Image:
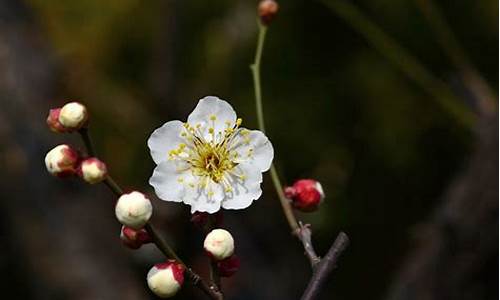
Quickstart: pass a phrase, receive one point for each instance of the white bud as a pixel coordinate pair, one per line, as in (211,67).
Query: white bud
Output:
(92,170)
(165,279)
(219,244)
(73,115)
(61,161)
(133,210)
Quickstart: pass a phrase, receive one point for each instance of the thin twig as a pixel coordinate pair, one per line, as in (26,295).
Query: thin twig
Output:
(255,67)
(325,267)
(212,265)
(210,290)
(84,133)
(302,232)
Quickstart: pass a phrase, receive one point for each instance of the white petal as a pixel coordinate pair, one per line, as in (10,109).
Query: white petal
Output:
(208,108)
(206,199)
(164,139)
(254,148)
(168,180)
(244,191)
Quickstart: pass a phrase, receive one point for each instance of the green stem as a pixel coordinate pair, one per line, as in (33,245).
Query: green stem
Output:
(255,67)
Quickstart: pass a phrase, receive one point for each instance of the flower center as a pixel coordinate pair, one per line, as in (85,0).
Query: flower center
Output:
(212,161)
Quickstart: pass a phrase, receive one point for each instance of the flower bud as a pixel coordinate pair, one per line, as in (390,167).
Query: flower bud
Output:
(166,279)
(219,244)
(62,161)
(267,11)
(134,239)
(305,194)
(92,170)
(53,121)
(73,116)
(229,266)
(133,210)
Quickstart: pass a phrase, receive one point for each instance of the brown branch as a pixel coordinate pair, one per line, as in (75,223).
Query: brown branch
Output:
(325,267)
(304,234)
(210,290)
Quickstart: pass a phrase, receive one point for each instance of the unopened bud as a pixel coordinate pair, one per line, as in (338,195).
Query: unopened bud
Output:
(92,170)
(219,244)
(305,194)
(134,239)
(62,161)
(267,11)
(229,266)
(166,279)
(53,121)
(133,210)
(73,116)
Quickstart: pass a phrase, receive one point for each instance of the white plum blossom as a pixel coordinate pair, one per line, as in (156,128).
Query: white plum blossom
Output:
(209,161)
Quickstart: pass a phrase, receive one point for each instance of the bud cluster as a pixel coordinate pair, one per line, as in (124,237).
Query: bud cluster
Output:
(63,160)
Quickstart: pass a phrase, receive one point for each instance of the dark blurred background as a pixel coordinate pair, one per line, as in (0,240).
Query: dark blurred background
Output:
(414,186)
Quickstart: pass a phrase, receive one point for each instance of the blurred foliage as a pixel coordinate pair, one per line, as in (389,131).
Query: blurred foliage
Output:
(336,110)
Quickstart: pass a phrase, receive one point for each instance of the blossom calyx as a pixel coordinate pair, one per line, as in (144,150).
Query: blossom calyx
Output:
(267,10)
(229,266)
(219,244)
(133,210)
(204,220)
(62,161)
(53,121)
(165,279)
(134,239)
(73,116)
(305,194)
(92,170)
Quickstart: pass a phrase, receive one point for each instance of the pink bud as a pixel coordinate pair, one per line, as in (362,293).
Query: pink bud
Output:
(267,10)
(305,194)
(165,279)
(62,161)
(229,266)
(92,170)
(134,239)
(53,121)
